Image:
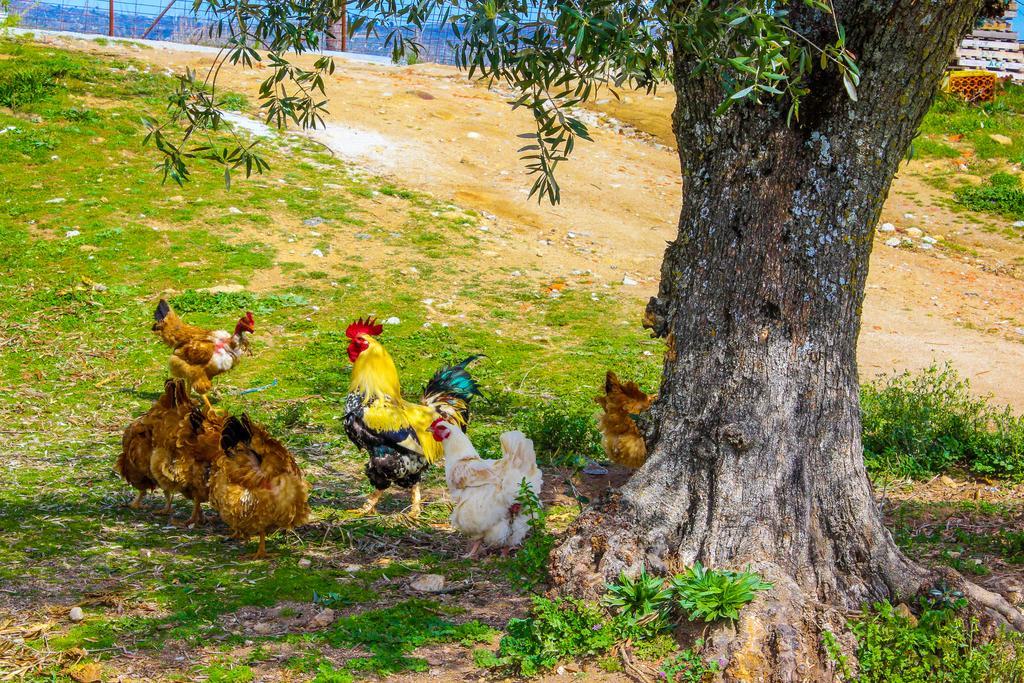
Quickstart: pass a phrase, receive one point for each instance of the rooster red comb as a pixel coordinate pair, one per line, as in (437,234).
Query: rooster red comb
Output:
(368,326)
(247,322)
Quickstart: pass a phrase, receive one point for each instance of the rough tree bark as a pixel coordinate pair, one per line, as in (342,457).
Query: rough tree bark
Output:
(755,450)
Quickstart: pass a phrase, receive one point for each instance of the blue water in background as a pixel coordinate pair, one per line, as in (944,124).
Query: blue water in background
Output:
(132,18)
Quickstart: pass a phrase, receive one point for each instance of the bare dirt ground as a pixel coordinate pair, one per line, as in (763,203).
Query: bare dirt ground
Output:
(431,129)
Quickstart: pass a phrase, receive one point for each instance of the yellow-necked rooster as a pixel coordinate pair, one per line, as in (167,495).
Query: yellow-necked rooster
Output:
(395,432)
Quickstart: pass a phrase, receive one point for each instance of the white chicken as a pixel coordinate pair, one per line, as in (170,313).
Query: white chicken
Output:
(484,492)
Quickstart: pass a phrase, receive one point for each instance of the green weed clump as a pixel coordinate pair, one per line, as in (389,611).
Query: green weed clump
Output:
(938,646)
(562,436)
(688,667)
(922,425)
(709,595)
(639,597)
(558,630)
(1001,194)
(642,613)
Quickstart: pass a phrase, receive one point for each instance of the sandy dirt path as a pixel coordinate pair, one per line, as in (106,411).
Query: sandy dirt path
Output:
(430,129)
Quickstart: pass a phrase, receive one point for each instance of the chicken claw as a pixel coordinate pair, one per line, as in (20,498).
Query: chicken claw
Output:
(167,509)
(417,502)
(370,506)
(261,552)
(136,504)
(197,518)
(474,550)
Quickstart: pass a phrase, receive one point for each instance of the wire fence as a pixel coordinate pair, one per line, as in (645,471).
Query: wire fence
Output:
(175,21)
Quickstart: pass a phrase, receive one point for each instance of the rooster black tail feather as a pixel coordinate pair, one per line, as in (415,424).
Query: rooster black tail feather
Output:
(162,309)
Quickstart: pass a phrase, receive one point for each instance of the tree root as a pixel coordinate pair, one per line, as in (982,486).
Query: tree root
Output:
(778,637)
(992,609)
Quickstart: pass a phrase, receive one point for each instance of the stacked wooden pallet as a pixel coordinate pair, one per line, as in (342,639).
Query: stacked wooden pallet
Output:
(994,46)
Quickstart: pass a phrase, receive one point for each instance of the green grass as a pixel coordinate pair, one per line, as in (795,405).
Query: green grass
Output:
(951,116)
(391,634)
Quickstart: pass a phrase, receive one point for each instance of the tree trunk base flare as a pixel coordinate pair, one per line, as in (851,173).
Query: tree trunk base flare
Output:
(779,636)
(754,444)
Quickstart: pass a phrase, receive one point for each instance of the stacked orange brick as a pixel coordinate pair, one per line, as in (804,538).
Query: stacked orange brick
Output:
(973,86)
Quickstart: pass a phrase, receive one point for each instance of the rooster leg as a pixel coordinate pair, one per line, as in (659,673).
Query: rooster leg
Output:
(197,515)
(137,503)
(474,550)
(168,509)
(417,504)
(209,406)
(370,507)
(261,552)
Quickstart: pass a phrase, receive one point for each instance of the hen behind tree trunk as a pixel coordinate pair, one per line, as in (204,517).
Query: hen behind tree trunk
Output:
(622,403)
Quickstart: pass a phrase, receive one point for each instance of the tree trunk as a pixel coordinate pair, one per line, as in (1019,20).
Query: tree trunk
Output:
(754,443)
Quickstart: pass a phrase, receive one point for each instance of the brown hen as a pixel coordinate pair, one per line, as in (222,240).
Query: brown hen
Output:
(138,442)
(199,354)
(256,486)
(622,403)
(184,445)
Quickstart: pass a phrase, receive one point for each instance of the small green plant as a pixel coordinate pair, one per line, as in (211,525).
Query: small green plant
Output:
(709,594)
(80,115)
(688,666)
(331,599)
(529,567)
(942,597)
(485,659)
(234,101)
(834,650)
(557,630)
(291,416)
(325,673)
(640,598)
(226,673)
(655,649)
(563,437)
(610,664)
